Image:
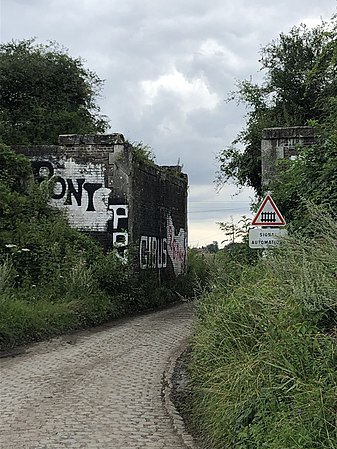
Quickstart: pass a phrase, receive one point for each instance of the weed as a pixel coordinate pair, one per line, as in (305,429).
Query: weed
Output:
(264,354)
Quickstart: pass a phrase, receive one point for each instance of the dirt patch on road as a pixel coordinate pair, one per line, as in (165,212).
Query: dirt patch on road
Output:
(181,395)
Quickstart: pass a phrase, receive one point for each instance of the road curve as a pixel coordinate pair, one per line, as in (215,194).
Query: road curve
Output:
(95,389)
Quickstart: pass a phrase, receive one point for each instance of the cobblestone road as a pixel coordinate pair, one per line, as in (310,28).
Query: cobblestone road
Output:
(94,390)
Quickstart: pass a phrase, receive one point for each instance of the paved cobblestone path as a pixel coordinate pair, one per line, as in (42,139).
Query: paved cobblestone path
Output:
(94,390)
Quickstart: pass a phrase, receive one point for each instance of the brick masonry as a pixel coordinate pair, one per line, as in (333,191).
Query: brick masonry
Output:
(108,193)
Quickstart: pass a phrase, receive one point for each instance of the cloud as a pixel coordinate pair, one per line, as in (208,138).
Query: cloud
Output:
(211,48)
(190,95)
(168,66)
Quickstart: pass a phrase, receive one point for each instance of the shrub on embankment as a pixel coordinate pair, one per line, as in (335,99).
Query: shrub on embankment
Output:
(264,357)
(79,293)
(54,279)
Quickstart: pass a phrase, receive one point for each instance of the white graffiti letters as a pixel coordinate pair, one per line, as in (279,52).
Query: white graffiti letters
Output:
(120,237)
(152,252)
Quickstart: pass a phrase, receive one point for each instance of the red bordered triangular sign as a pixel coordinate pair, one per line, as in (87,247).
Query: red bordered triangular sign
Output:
(268,214)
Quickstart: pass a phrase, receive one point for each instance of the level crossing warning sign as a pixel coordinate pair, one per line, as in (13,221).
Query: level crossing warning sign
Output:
(268,214)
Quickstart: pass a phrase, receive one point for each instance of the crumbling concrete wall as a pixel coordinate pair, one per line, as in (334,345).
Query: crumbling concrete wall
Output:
(108,193)
(282,143)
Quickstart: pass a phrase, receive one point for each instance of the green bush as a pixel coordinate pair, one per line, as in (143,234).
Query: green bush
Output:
(113,274)
(196,279)
(31,315)
(264,355)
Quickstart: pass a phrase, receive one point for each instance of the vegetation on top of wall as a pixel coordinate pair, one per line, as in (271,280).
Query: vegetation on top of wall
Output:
(143,153)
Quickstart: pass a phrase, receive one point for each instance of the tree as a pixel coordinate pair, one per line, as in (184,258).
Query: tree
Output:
(44,93)
(300,77)
(20,198)
(212,248)
(234,231)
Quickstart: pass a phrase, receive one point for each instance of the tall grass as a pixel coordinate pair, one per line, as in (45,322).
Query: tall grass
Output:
(7,276)
(60,303)
(265,352)
(83,291)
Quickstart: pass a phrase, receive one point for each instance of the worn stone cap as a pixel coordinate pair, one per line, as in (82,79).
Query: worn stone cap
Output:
(173,168)
(91,139)
(288,132)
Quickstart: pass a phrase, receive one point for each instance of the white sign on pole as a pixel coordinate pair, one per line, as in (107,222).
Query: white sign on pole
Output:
(265,237)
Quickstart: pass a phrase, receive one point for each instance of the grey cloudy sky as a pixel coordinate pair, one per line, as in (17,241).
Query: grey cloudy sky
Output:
(169,66)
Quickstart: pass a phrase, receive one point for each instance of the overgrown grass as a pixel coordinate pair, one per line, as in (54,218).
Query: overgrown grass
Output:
(197,276)
(264,355)
(85,294)
(31,312)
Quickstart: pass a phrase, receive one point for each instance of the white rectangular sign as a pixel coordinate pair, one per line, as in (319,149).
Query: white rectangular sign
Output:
(265,237)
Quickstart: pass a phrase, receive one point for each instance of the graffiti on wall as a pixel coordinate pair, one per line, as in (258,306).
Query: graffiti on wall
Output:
(68,190)
(118,227)
(154,252)
(176,247)
(80,191)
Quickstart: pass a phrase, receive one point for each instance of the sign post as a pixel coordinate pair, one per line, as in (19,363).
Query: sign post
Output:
(267,224)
